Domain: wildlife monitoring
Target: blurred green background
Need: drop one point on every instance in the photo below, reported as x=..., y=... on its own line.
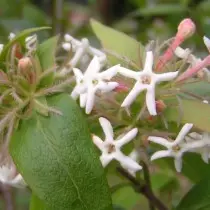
x=143, y=19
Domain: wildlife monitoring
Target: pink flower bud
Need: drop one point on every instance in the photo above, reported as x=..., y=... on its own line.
x=121, y=88
x=160, y=106
x=24, y=64
x=186, y=29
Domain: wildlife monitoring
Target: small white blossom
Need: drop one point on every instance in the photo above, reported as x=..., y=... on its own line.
x=205, y=102
x=91, y=81
x=11, y=36
x=81, y=48
x=206, y=41
x=8, y=176
x=31, y=42
x=145, y=80
x=111, y=149
x=134, y=155
x=203, y=142
x=175, y=148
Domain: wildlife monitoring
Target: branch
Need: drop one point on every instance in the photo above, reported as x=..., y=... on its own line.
x=144, y=189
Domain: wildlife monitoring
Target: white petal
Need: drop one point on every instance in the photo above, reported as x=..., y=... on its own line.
x=127, y=162
x=66, y=46
x=160, y=140
x=161, y=154
x=165, y=76
x=127, y=137
x=98, y=142
x=77, y=56
x=178, y=164
x=90, y=100
x=182, y=53
x=106, y=159
x=195, y=136
x=206, y=42
x=78, y=74
x=107, y=128
x=107, y=87
x=83, y=100
x=68, y=38
x=128, y=73
x=75, y=94
x=18, y=182
x=148, y=64
x=93, y=68
x=109, y=73
x=185, y=129
x=205, y=155
x=150, y=101
x=133, y=94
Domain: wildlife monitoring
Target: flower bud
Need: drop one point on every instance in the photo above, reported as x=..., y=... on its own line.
x=121, y=88
x=24, y=64
x=186, y=28
x=160, y=106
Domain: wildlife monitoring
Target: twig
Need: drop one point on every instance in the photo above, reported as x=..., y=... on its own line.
x=148, y=182
x=143, y=188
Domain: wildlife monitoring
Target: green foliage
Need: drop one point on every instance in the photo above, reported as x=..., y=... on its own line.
x=199, y=119
x=37, y=204
x=120, y=44
x=57, y=159
x=197, y=198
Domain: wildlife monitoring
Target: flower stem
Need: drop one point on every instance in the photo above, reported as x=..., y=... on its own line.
x=143, y=188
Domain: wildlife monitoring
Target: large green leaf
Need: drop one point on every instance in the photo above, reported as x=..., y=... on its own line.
x=120, y=44
x=58, y=160
x=46, y=53
x=191, y=111
x=37, y=204
x=197, y=198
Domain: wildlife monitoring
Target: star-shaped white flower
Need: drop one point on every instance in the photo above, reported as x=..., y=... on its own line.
x=203, y=142
x=81, y=48
x=175, y=148
x=111, y=149
x=8, y=176
x=91, y=81
x=145, y=80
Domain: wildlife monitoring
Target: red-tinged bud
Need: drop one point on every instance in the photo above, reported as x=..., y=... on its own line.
x=160, y=106
x=121, y=88
x=194, y=70
x=185, y=29
x=25, y=69
x=18, y=53
x=24, y=64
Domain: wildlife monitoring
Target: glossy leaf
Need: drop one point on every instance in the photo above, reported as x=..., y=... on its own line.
x=120, y=44
x=58, y=160
x=37, y=204
x=190, y=112
x=197, y=198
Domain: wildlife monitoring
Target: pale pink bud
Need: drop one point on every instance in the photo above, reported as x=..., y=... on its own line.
x=160, y=106
x=121, y=88
x=186, y=29
x=195, y=69
x=24, y=63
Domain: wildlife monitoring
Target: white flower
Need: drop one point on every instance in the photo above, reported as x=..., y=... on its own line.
x=80, y=48
x=145, y=80
x=134, y=155
x=175, y=148
x=11, y=36
x=91, y=81
x=111, y=149
x=203, y=142
x=31, y=42
x=206, y=41
x=8, y=176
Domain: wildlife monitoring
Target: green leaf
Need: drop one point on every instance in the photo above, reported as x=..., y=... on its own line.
x=37, y=204
x=120, y=44
x=46, y=53
x=58, y=160
x=161, y=9
x=197, y=198
x=195, y=112
x=18, y=38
